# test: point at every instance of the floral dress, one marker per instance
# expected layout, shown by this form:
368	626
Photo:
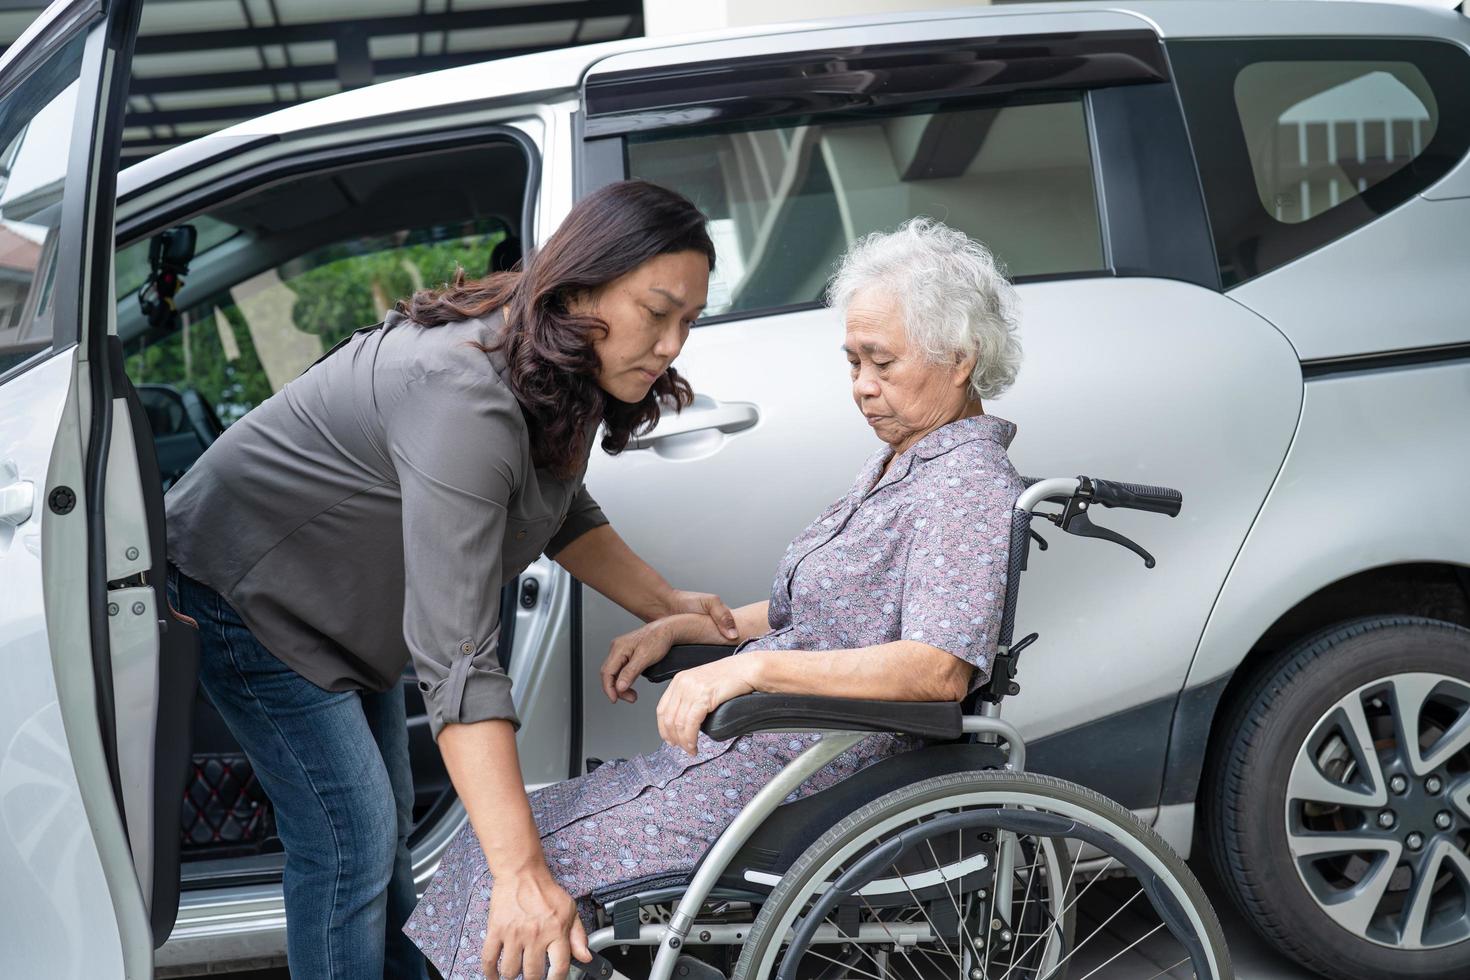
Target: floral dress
918	554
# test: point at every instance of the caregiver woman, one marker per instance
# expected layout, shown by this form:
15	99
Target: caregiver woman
368	514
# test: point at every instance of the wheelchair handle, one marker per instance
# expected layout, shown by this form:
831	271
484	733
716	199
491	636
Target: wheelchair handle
1109	493
1138	496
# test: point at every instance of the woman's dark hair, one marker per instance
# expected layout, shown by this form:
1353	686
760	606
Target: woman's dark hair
552	368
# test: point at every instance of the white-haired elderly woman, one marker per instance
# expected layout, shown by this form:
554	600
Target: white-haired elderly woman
894	592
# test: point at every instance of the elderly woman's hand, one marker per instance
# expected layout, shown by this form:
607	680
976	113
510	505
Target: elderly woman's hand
694	693
632	653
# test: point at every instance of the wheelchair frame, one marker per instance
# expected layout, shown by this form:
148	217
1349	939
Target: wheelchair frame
984	725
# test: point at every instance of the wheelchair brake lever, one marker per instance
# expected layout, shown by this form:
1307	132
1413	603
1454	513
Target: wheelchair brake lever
1075	521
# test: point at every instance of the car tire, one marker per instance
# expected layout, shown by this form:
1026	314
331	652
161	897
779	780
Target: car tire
1299	834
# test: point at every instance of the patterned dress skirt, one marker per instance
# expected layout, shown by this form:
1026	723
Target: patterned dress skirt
651	815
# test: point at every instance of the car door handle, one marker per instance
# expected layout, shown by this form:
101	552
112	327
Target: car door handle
17	500
725	417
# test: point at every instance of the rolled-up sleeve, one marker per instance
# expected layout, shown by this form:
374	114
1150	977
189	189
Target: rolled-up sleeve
954	580
582	516
455	444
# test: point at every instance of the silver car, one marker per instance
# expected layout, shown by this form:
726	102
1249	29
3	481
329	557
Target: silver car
1238	232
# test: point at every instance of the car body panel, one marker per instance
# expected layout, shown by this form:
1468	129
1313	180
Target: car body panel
717	513
56	913
70	874
1348	499
1367	292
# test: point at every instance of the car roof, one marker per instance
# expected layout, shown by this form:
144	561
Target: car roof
554	75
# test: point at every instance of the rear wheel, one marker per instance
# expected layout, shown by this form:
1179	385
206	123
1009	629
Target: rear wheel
911	887
1339	816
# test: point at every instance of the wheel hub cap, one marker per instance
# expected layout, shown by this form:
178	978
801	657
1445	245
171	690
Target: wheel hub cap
1378	811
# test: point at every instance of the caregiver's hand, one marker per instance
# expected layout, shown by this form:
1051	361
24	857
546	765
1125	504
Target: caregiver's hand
694	693
707	604
532	920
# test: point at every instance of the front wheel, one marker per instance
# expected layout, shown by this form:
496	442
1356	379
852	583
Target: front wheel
986	876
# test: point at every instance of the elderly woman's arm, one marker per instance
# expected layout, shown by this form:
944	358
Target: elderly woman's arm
904	670
633	652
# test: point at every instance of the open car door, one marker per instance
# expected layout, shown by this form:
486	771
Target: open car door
88	857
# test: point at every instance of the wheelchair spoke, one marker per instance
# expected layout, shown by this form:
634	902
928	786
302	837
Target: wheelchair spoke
1063	915
847	966
1025	898
1067	908
889	932
1116	912
932	927
954	899
860	947
1123	950
937	965
995	888
1169	969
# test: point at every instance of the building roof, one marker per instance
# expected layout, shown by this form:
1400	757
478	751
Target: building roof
202	65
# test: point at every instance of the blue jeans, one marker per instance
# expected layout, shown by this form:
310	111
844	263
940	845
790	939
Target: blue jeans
335	765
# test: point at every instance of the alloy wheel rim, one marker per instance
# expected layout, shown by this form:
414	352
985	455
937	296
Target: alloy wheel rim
1377	811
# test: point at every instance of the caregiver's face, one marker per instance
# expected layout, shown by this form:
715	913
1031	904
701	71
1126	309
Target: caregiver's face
648	313
902	393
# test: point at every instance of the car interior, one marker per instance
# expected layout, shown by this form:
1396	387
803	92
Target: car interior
217	312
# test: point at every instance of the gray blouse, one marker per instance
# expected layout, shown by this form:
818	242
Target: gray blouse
370	511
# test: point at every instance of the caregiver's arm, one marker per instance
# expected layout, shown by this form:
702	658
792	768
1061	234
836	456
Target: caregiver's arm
602	559
455	506
531	916
904	670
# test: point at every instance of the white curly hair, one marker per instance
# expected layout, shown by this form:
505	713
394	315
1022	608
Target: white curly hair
953	294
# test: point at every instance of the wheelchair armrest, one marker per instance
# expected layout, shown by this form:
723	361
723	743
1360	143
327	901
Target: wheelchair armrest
794	712
684	656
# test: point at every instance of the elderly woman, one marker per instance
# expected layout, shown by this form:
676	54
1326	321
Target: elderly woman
893	592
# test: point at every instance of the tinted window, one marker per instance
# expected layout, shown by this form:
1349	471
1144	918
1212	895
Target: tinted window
1300	141
35	134
1321	132
785	201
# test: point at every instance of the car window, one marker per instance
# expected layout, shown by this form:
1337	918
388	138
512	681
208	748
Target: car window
1300	141
1322	132
241	344
785	201
35	133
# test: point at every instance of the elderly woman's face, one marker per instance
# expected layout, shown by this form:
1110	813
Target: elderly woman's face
902	393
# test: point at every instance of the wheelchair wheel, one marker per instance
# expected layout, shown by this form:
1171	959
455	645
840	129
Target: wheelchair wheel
918	885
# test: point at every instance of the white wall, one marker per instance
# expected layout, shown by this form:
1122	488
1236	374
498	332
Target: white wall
680	16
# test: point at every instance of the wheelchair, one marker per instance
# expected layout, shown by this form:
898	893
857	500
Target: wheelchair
950	860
